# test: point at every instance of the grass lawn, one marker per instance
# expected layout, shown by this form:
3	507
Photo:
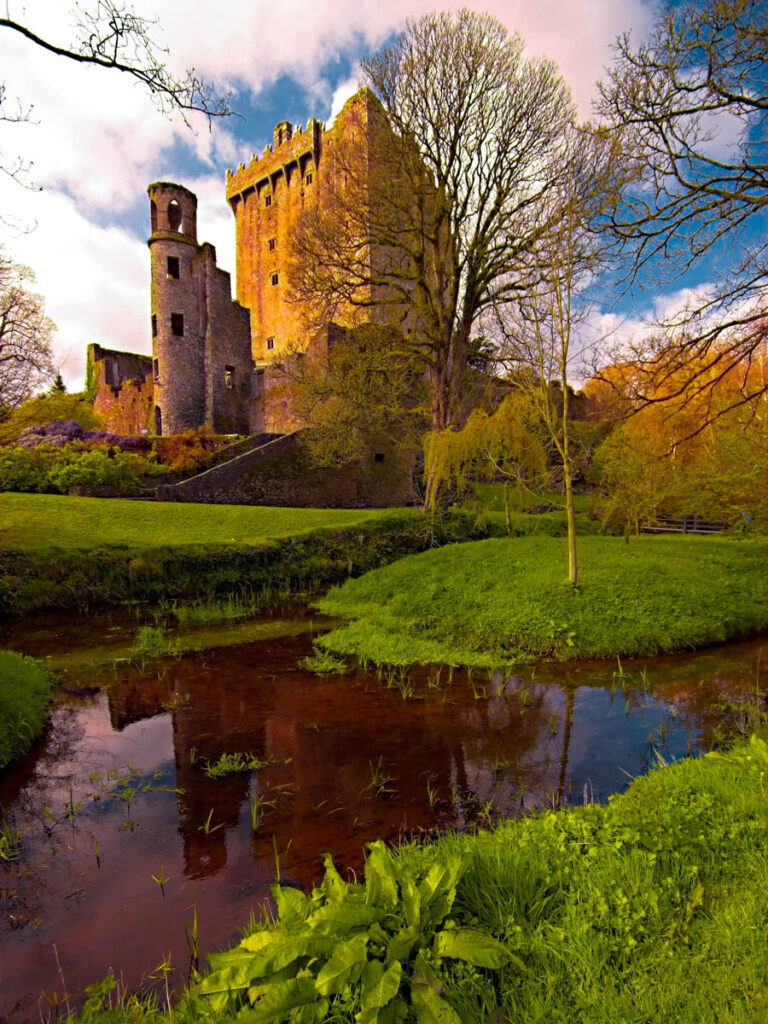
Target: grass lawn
39	522
494	602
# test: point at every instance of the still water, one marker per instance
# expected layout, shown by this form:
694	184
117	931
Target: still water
125	840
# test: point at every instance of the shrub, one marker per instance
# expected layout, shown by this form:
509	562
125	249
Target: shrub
93	468
25	687
21	470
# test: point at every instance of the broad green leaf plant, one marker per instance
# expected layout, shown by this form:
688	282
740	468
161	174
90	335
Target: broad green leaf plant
368	952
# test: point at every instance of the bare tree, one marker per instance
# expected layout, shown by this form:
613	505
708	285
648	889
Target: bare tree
691	104
25	337
109	34
428	227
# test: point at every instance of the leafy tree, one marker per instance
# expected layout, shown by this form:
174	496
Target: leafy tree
691	106
428	226
360	393
502	444
26	361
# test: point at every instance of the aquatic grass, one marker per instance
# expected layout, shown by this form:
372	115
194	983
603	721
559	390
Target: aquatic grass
153	642
25	693
220	609
232	764
498	602
323	663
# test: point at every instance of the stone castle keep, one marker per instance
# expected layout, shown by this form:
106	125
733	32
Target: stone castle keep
214	359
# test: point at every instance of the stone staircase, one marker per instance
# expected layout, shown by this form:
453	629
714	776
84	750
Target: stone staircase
226	467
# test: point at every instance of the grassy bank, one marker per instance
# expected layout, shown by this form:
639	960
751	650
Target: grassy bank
502	600
39	522
25	688
295	555
654	908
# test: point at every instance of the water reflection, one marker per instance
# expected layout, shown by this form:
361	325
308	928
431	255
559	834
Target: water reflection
118	794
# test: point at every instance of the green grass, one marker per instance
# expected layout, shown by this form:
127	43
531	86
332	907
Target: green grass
25	688
651	909
38	522
498	601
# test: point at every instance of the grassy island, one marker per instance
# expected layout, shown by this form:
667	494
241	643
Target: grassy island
498	601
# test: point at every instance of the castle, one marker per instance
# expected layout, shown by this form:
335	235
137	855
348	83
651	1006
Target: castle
215	361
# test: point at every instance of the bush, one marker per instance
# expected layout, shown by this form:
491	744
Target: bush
21	470
25	687
93	468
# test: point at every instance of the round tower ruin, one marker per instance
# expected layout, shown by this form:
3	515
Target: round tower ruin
178	347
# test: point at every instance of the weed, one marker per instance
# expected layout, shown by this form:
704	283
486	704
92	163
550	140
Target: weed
231	764
323	663
10	839
379	781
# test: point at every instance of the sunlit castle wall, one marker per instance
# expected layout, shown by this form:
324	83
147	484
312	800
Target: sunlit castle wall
267	198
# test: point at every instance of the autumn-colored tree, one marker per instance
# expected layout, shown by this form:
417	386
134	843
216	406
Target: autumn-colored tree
704	452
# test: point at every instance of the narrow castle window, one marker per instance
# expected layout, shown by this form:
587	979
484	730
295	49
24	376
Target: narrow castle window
154	326
270	343
155	368
174	215
268	200
177	324
272	243
308	178
173	268
229	376
275	278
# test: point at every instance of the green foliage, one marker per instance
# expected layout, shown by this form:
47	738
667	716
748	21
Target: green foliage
500	601
94	468
503	443
21	470
79	464
25	689
153	642
78	552
220	609
323	663
46	409
366	950
232	764
652	908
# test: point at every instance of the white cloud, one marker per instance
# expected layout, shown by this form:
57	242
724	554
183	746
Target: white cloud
98	140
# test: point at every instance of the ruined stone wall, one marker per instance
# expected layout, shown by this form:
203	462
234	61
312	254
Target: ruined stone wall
123	390
228	361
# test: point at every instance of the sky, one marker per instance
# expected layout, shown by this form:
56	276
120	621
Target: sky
94	140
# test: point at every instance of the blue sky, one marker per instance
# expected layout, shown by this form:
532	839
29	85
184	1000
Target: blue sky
97	141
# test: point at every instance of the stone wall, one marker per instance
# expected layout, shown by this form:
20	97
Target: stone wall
281	474
123	390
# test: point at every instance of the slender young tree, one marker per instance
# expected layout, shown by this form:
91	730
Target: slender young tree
544	335
427	227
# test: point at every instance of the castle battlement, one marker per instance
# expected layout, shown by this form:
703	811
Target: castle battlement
293	152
